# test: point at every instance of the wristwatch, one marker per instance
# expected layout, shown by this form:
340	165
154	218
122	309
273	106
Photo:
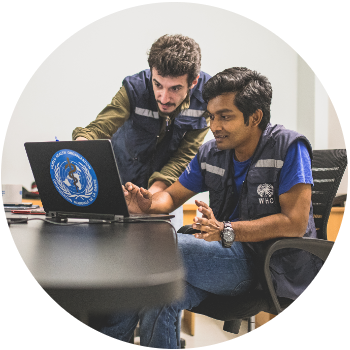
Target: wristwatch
227	235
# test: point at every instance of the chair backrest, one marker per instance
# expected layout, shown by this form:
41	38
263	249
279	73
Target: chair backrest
328	167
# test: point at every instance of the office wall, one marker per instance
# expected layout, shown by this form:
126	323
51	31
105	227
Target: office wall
306	100
316	116
336	140
321	114
82	75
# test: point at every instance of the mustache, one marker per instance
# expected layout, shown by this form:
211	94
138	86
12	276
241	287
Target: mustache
166	104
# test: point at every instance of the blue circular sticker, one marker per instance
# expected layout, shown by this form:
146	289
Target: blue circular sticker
74	177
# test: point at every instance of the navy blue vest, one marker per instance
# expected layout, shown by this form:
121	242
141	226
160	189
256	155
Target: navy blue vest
292	269
135	143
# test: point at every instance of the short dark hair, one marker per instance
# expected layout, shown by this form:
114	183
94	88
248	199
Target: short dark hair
252	90
175	55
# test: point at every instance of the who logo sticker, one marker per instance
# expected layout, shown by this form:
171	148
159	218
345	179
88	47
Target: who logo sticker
265	191
74	177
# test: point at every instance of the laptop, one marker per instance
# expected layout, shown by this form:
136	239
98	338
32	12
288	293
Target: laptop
80	179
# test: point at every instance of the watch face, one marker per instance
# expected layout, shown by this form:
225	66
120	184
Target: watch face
228	236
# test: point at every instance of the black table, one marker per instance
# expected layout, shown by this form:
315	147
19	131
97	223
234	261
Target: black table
102	268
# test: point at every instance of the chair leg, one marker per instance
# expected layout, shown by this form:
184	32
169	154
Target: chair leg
137	334
251	328
131	344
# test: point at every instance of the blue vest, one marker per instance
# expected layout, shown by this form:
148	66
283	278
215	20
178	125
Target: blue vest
292	270
135	143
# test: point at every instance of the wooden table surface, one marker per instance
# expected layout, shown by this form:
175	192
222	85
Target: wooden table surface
334	223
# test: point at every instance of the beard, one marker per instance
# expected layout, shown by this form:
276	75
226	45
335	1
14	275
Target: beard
169	104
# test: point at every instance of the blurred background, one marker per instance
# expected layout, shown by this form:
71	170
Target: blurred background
82	75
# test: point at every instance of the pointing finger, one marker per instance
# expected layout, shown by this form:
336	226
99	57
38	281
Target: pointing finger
201	204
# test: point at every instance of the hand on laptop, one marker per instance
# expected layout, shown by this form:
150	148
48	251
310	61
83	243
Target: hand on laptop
137	199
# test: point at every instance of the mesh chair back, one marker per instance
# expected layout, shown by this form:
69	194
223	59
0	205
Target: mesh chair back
328	167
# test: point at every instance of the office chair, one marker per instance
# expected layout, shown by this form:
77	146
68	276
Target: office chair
328	167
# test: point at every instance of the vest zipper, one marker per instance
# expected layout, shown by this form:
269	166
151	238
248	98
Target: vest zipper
167	124
245	179
167	129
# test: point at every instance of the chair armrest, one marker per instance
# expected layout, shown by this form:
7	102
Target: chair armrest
318	247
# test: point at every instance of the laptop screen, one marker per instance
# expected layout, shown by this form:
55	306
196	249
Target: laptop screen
77	177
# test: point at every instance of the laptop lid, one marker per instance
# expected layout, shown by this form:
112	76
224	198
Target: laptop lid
79	177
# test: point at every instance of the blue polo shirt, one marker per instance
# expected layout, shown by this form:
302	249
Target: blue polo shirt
296	169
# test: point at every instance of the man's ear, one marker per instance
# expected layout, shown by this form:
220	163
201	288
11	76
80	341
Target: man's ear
256	117
194	83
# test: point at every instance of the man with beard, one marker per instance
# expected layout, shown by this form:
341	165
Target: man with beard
157	120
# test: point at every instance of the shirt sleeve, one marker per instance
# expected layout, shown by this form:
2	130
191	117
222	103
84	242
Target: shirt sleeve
177	163
112	117
192	178
296	168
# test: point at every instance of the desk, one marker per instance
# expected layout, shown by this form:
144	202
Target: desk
102	267
334	222
33	201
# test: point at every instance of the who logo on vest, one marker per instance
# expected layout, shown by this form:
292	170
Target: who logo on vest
265	191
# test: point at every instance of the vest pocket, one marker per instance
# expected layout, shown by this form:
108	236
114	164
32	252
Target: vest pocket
182	124
262	193
139	142
213	181
190	123
177	136
216	189
145	124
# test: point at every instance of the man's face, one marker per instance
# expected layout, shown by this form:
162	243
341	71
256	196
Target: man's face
170	91
227	123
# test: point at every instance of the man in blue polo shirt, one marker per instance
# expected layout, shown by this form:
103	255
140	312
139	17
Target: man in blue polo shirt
259	180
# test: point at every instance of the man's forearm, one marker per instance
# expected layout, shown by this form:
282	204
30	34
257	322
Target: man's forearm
170	199
291	222
162	202
157	187
108	121
269	227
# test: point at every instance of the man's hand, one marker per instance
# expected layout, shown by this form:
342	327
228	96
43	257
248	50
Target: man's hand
81	138
210	228
137	199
